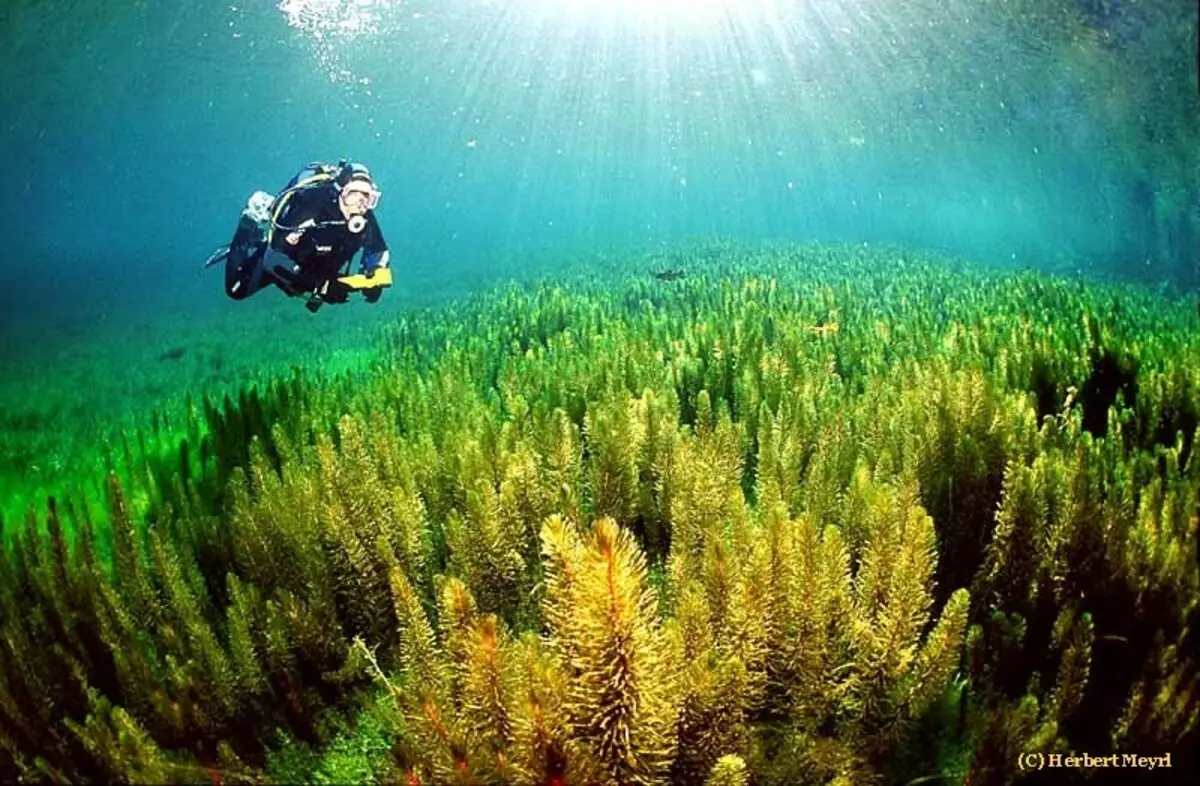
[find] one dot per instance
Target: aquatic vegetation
(634, 531)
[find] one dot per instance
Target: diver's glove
(294, 237)
(372, 262)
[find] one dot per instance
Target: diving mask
(360, 195)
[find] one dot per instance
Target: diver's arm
(293, 238)
(375, 252)
(300, 213)
(290, 228)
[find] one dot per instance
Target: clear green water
(600, 142)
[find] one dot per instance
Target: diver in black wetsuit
(301, 239)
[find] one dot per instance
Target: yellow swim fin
(382, 278)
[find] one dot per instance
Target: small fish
(670, 274)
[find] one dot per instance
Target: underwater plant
(621, 532)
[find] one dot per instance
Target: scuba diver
(301, 239)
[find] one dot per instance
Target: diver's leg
(243, 265)
(279, 269)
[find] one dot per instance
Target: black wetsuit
(318, 257)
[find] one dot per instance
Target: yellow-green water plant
(641, 531)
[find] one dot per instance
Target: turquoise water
(513, 136)
(134, 133)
